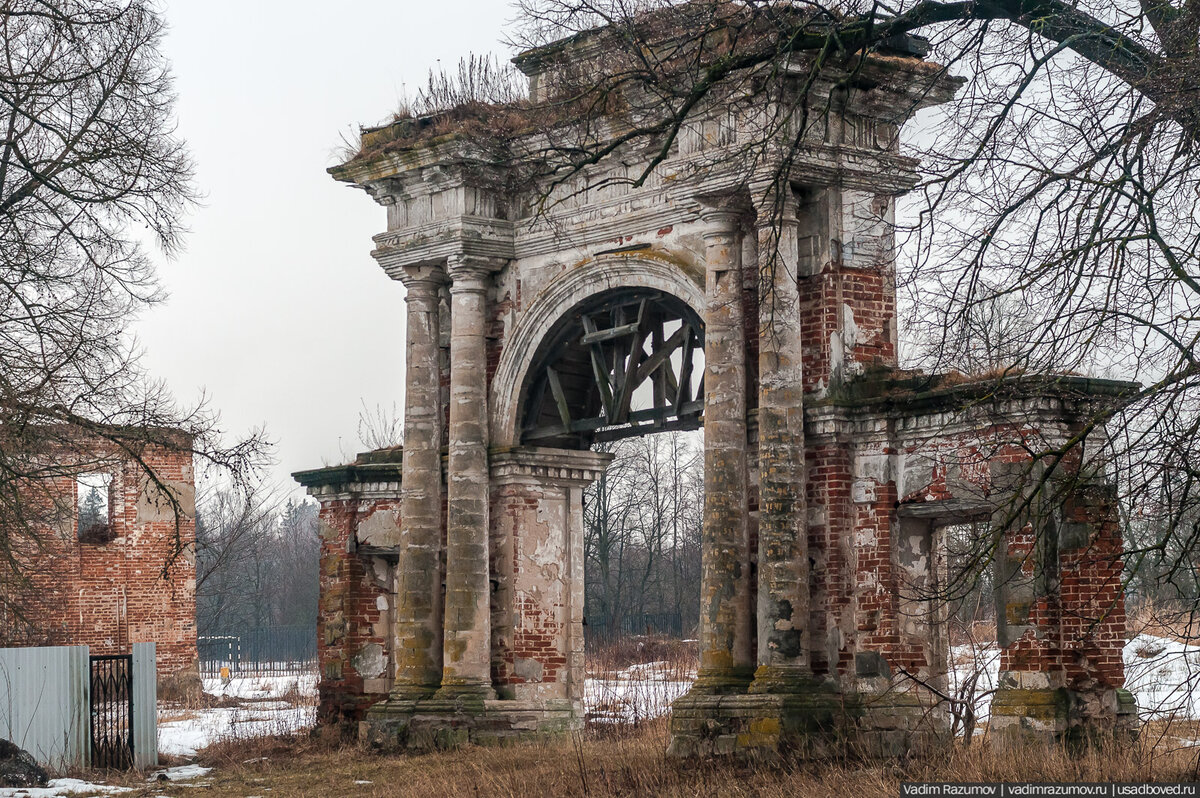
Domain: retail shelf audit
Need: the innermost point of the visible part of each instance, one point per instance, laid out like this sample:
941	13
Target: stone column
418	573
783	568
726	636
467	626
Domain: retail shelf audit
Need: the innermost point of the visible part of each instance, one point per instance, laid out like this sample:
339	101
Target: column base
1027	710
412	692
440	724
782	680
808	721
722	682
811	718
898	719
465	693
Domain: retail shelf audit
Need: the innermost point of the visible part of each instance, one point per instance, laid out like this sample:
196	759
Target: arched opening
608	375
620	364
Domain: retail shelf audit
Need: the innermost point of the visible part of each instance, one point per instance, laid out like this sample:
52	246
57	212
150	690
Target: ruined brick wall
137	586
829	549
354	639
1062	610
1064	615
848	298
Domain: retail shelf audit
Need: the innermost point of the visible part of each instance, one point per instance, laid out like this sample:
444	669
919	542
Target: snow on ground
256	687
1163	674
180	773
62	787
59	788
184	732
636	693
202	727
974	671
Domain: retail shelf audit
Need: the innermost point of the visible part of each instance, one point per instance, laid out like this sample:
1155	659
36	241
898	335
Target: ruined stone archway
460	559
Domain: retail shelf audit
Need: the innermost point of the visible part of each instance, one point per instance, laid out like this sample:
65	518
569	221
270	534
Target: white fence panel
45	703
145	706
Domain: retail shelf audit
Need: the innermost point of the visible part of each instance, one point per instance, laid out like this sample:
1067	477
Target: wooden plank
599	369
659	388
669	374
630	381
679	424
579	425
534	412
683	391
609	334
661	416
662	353
560	398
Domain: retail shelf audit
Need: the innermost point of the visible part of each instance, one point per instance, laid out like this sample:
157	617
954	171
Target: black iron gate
112	711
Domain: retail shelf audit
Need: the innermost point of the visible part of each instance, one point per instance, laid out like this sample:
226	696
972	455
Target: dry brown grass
634	763
1178	623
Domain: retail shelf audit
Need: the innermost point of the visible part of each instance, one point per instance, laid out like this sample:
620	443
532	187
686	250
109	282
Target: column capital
773	199
469	273
423	280
721	220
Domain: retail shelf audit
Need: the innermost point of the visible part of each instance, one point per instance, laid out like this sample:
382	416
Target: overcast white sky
276	310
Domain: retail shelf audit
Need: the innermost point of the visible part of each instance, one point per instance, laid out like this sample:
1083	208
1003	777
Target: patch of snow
1164	675
965	662
636	693
61	787
186	737
258	687
180	773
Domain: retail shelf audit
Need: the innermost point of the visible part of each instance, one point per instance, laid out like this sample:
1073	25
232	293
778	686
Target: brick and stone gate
753	296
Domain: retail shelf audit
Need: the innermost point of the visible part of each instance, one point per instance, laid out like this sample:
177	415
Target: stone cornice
902	412
433	243
553	466
667	200
352	481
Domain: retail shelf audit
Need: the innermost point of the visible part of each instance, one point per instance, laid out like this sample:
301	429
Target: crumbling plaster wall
905	475
357	596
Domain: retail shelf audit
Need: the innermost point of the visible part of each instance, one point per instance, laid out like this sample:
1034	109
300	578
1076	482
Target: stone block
1074	535
869	664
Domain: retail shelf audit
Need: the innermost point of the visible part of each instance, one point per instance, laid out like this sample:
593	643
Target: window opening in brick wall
93	501
971	616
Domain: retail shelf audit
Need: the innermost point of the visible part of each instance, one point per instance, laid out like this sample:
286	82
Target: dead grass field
633	763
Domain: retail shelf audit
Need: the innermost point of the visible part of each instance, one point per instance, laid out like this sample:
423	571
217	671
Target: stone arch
565	292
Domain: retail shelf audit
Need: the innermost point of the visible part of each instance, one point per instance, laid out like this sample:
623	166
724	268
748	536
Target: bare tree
642	536
89	163
256	561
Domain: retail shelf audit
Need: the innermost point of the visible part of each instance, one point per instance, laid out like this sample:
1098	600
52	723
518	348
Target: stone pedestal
1042	714
813	721
437	724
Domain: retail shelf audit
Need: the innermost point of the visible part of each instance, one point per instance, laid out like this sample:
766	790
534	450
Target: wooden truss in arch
620	346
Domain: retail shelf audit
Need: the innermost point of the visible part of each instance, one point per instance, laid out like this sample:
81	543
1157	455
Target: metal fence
269	651
601	629
70	710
